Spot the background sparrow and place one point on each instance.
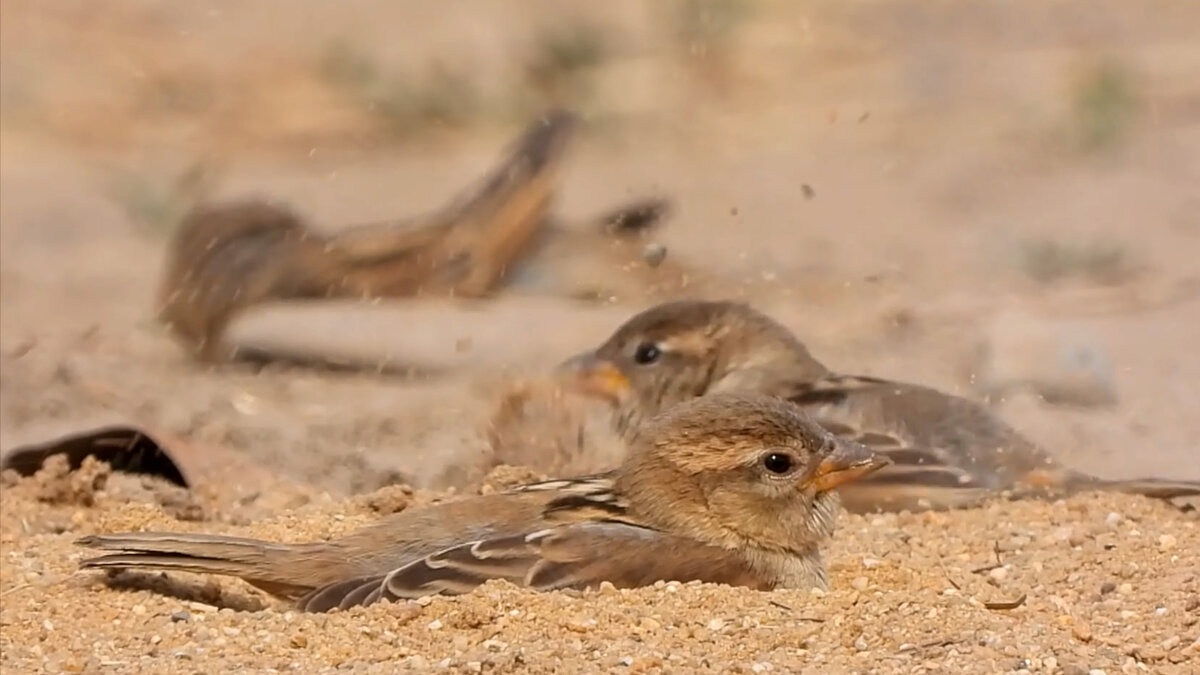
(946, 451)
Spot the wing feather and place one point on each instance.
(946, 452)
(578, 555)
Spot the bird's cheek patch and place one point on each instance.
(689, 344)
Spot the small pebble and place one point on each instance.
(580, 624)
(860, 644)
(859, 583)
(181, 615)
(494, 645)
(649, 624)
(654, 254)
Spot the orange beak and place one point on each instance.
(849, 461)
(591, 375)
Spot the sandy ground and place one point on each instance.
(1102, 583)
(885, 178)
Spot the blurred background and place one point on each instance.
(997, 198)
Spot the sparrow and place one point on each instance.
(733, 489)
(228, 256)
(946, 451)
(500, 233)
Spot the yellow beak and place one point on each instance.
(848, 462)
(594, 376)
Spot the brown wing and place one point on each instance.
(946, 451)
(578, 555)
(580, 499)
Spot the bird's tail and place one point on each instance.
(276, 568)
(1153, 487)
(1184, 494)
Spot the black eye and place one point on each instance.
(646, 353)
(778, 462)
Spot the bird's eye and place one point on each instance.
(778, 463)
(647, 353)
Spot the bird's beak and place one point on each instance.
(849, 461)
(594, 376)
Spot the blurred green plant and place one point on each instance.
(705, 34)
(443, 95)
(176, 93)
(344, 65)
(156, 206)
(563, 58)
(705, 25)
(1047, 261)
(1104, 106)
(440, 96)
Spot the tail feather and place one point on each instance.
(267, 565)
(233, 549)
(168, 563)
(1154, 487)
(1182, 494)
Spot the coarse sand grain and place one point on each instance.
(1093, 582)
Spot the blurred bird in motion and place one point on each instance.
(946, 451)
(733, 489)
(229, 256)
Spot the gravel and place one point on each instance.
(1061, 587)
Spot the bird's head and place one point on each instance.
(680, 350)
(741, 470)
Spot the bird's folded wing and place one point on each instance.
(579, 555)
(944, 452)
(863, 410)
